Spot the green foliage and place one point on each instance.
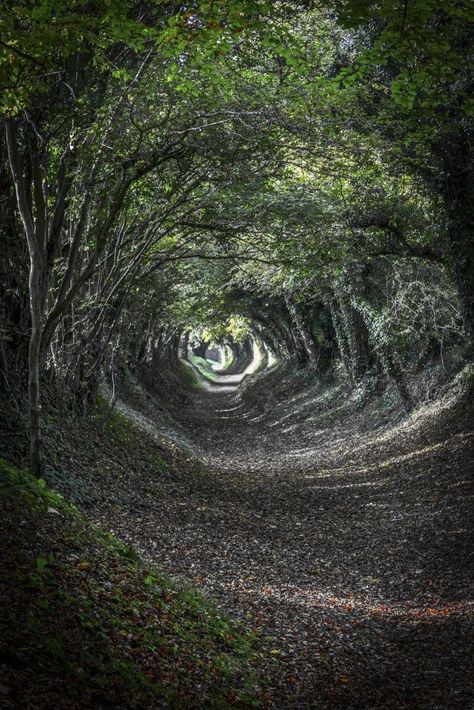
(39, 38)
(424, 41)
(220, 160)
(41, 564)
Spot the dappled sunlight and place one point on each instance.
(236, 331)
(313, 598)
(356, 484)
(379, 441)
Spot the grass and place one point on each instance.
(203, 366)
(228, 362)
(84, 623)
(189, 375)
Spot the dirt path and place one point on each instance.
(351, 548)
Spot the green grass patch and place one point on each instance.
(203, 366)
(189, 375)
(228, 362)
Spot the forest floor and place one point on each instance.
(349, 546)
(335, 527)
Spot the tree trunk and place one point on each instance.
(306, 338)
(36, 286)
(397, 377)
(384, 354)
(34, 366)
(184, 345)
(357, 339)
(340, 336)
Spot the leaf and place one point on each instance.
(41, 564)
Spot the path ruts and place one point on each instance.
(351, 549)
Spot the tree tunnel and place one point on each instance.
(236, 354)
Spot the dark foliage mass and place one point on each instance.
(191, 192)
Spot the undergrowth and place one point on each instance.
(85, 624)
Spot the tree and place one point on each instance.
(294, 164)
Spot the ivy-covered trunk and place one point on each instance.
(340, 335)
(306, 336)
(305, 346)
(184, 344)
(383, 350)
(357, 339)
(458, 192)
